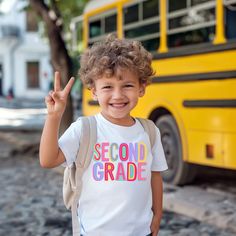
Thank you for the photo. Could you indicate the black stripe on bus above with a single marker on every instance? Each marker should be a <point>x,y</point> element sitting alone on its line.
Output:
<point>196,49</point>
<point>195,77</point>
<point>221,103</point>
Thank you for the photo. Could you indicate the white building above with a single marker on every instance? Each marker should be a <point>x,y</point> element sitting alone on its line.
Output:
<point>24,55</point>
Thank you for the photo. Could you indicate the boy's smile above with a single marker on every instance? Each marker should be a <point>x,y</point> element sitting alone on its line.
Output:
<point>118,95</point>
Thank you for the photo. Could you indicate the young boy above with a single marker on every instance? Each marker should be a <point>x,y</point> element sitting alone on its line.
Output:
<point>113,202</point>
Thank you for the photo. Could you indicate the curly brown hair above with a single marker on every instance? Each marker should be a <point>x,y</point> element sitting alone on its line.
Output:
<point>104,58</point>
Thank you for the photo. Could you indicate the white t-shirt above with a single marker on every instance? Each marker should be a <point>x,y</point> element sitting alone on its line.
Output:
<point>116,197</point>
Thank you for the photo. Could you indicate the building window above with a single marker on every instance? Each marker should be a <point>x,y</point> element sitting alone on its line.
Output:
<point>33,74</point>
<point>31,21</point>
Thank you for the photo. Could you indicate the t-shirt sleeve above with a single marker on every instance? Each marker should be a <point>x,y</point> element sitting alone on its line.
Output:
<point>159,160</point>
<point>69,142</point>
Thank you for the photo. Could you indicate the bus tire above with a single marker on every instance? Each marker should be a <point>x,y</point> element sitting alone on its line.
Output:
<point>179,172</point>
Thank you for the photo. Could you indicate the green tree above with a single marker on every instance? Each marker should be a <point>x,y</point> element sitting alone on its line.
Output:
<point>56,15</point>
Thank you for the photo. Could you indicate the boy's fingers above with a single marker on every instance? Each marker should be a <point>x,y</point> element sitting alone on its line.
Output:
<point>55,96</point>
<point>48,99</point>
<point>57,82</point>
<point>69,85</point>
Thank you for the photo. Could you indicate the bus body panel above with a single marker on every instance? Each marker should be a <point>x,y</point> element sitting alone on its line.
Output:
<point>198,141</point>
<point>229,150</point>
<point>201,63</point>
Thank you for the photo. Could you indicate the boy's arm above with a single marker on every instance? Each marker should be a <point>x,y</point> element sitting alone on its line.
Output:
<point>50,154</point>
<point>157,195</point>
<point>49,151</point>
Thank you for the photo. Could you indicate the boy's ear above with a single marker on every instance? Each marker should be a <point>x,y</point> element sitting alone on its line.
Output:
<point>94,94</point>
<point>142,90</point>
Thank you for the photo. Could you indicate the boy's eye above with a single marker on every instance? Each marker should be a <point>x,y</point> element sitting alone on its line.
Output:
<point>129,86</point>
<point>106,87</point>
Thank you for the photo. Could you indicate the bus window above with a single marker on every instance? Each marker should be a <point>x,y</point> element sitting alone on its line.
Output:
<point>230,19</point>
<point>151,44</point>
<point>76,27</point>
<point>177,5</point>
<point>142,30</point>
<point>141,22</point>
<point>150,9</point>
<point>79,37</point>
<point>191,25</point>
<point>191,37</point>
<point>110,23</point>
<point>95,28</point>
<point>196,2</point>
<point>101,25</point>
<point>131,14</point>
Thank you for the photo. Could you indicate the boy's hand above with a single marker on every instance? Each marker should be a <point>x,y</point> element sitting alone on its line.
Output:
<point>155,225</point>
<point>56,100</point>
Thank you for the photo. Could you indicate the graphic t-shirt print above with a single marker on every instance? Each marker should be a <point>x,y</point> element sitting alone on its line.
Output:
<point>119,162</point>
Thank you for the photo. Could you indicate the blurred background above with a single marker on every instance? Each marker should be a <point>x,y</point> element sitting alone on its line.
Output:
<point>192,100</point>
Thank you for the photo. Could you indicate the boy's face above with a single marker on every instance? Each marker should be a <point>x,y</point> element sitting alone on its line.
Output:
<point>118,95</point>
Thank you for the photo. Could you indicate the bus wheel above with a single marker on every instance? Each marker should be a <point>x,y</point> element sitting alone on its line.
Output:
<point>179,172</point>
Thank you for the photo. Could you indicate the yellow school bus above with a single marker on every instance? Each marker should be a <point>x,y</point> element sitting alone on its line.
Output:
<point>192,98</point>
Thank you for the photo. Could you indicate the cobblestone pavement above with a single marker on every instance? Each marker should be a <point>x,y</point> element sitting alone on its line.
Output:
<point>31,203</point>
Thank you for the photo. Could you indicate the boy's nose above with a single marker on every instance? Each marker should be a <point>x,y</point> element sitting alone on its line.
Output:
<point>117,93</point>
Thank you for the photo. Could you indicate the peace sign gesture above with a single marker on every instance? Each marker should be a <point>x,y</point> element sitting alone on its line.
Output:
<point>56,100</point>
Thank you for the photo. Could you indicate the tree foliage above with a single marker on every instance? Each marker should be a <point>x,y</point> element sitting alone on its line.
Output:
<point>70,9</point>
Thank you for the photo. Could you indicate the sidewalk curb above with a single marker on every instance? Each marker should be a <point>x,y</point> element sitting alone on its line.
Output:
<point>16,143</point>
<point>25,127</point>
<point>201,205</point>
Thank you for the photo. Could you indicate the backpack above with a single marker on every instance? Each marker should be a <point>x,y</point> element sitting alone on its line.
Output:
<point>72,180</point>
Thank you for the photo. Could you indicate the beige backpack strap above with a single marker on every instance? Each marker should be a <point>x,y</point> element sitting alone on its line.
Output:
<point>87,141</point>
<point>149,127</point>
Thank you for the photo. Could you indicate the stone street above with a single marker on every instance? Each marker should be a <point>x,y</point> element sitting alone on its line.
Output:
<point>31,197</point>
